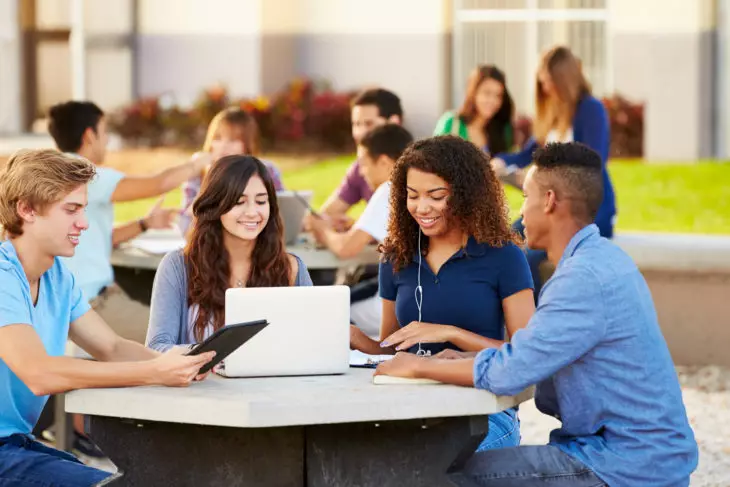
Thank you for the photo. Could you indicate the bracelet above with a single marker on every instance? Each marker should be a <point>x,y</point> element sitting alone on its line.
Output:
<point>142,225</point>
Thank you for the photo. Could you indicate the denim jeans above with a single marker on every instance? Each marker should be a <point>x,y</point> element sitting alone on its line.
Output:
<point>26,462</point>
<point>522,466</point>
<point>537,257</point>
<point>504,431</point>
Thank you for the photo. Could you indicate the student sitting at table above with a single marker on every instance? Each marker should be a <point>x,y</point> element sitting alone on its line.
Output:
<point>594,349</point>
<point>80,128</point>
<point>452,274</point>
<point>231,132</point>
<point>43,195</point>
<point>236,240</point>
<point>376,154</point>
<point>485,118</point>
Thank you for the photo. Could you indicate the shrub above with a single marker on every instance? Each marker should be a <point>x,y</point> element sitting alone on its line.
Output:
<point>304,115</point>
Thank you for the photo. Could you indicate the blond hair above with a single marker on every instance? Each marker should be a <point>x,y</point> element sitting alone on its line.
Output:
<point>39,178</point>
<point>566,73</point>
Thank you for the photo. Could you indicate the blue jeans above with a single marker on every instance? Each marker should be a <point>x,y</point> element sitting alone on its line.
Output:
<point>544,465</point>
<point>26,462</point>
<point>504,431</point>
<point>537,257</point>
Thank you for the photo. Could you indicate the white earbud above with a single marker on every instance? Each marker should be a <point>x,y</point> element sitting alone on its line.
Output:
<point>419,296</point>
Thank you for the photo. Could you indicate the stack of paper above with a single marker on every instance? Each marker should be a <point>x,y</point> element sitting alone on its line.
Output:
<point>359,359</point>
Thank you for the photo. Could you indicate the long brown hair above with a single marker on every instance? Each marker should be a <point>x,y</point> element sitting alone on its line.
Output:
<point>242,123</point>
<point>497,129</point>
<point>476,203</point>
<point>566,73</point>
<point>239,120</point>
<point>206,257</point>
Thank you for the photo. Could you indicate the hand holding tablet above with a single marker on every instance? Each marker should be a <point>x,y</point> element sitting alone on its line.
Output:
<point>226,341</point>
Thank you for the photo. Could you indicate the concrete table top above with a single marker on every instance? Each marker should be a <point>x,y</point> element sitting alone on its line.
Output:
<point>289,401</point>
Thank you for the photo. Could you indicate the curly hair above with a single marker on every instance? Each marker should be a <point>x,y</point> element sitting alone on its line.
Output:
<point>206,257</point>
<point>476,202</point>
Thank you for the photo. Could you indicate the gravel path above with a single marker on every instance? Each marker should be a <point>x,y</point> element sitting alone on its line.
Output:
<point>706,393</point>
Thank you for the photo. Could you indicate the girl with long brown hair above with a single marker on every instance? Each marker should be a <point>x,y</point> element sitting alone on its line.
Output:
<point>232,131</point>
<point>565,111</point>
<point>485,118</point>
<point>236,241</point>
<point>452,275</point>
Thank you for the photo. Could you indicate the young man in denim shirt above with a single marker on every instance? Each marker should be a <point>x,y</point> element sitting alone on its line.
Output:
<point>593,348</point>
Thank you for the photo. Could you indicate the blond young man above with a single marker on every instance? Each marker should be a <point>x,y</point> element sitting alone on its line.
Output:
<point>43,196</point>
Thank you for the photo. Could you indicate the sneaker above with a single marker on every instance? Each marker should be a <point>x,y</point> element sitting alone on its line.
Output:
<point>82,444</point>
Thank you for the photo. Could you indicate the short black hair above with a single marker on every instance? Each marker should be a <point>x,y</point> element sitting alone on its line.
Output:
<point>575,172</point>
<point>69,120</point>
<point>387,102</point>
<point>387,140</point>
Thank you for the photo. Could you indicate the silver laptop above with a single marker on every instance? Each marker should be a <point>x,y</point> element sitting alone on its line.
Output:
<point>293,210</point>
<point>308,332</point>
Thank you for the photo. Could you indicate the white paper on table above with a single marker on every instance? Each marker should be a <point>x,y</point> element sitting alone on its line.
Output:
<point>158,246</point>
<point>359,359</point>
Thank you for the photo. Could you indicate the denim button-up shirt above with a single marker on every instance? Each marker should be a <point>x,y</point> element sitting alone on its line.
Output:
<point>601,364</point>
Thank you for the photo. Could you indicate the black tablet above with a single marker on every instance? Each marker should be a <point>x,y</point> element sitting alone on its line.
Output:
<point>227,340</point>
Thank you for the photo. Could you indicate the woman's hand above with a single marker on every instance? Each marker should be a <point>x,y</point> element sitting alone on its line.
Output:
<point>417,332</point>
<point>358,339</point>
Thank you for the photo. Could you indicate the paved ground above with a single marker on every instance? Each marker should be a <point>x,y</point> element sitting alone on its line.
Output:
<point>707,399</point>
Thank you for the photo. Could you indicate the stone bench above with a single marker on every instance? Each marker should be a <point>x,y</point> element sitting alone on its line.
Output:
<point>689,278</point>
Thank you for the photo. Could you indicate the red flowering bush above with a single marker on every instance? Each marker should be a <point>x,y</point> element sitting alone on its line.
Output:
<point>627,126</point>
<point>303,115</point>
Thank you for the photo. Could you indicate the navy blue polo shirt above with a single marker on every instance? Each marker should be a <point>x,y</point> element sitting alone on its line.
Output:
<point>467,291</point>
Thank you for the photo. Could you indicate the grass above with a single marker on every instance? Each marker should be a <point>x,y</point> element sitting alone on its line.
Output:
<point>657,197</point>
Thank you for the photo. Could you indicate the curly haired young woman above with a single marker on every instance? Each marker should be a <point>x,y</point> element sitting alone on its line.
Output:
<point>452,276</point>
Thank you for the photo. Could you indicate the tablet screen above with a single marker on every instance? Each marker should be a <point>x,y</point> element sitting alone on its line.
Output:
<point>227,340</point>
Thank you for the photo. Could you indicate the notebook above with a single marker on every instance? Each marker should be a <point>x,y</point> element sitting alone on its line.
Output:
<point>359,359</point>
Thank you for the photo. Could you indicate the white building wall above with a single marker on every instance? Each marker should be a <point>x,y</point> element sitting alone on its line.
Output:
<point>664,57</point>
<point>10,93</point>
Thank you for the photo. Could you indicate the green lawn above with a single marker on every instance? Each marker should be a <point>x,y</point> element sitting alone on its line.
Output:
<point>651,197</point>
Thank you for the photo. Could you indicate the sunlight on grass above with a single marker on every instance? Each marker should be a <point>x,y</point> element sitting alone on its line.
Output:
<point>651,197</point>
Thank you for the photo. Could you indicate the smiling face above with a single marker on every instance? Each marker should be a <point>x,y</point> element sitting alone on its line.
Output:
<point>58,227</point>
<point>488,98</point>
<point>227,141</point>
<point>428,196</point>
<point>247,219</point>
<point>534,212</point>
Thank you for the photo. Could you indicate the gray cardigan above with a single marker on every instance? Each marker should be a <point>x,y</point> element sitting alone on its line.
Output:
<point>168,324</point>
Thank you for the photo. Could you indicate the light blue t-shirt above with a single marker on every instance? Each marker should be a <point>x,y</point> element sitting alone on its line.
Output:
<point>91,264</point>
<point>60,302</point>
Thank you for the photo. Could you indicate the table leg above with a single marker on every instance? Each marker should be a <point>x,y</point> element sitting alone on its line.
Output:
<point>63,424</point>
<point>150,453</point>
<point>392,453</point>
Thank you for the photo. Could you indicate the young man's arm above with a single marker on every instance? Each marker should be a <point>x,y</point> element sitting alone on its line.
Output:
<point>94,336</point>
<point>24,353</point>
<point>344,245</point>
<point>138,187</point>
<point>346,195</point>
<point>372,225</point>
<point>569,323</point>
<point>157,218</point>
